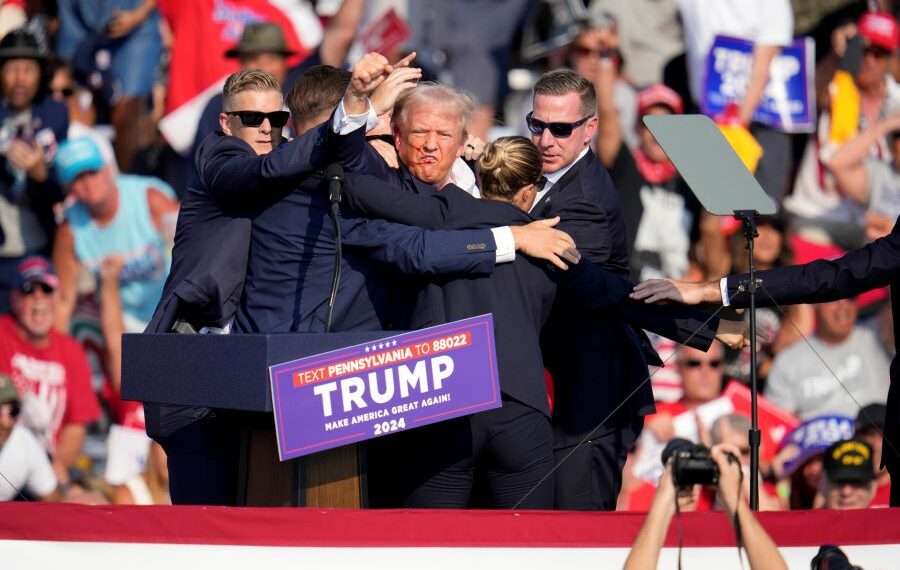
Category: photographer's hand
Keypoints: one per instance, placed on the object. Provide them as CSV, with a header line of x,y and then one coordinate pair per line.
x,y
761,550
730,475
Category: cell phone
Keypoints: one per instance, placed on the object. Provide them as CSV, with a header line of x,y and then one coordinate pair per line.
x,y
852,59
24,132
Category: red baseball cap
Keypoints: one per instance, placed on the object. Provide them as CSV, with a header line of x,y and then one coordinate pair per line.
x,y
880,29
659,94
37,269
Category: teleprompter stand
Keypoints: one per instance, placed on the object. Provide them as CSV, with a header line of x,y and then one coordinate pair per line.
x,y
230,372
724,186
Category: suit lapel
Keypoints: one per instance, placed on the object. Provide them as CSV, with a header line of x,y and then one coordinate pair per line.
x,y
543,208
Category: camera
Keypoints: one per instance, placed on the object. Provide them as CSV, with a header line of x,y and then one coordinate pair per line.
x,y
692,463
831,557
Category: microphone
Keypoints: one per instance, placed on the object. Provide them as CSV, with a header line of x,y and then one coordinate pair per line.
x,y
335,175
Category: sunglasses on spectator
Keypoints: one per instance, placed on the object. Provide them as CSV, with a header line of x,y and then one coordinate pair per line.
x,y
558,130
694,363
12,409
585,51
62,93
31,287
255,118
877,52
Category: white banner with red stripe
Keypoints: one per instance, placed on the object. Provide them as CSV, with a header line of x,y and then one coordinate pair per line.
x,y
74,537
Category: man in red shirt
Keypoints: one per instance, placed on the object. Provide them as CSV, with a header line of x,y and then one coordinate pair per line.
x,y
49,369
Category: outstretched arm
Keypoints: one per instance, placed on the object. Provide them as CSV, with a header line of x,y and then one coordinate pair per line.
x,y
665,290
859,270
647,545
847,161
761,550
232,171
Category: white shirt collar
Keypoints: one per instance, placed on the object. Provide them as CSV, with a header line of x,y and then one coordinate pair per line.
x,y
462,176
554,177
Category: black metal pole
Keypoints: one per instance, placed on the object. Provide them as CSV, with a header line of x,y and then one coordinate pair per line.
x,y
749,219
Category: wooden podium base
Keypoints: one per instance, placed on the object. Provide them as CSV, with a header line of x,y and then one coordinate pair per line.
x,y
332,478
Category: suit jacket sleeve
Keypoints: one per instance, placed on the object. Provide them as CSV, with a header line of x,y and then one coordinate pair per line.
x,y
452,207
232,171
376,198
357,155
589,226
593,286
821,281
412,250
683,324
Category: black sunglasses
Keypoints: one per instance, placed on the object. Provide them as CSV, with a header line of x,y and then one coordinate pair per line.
x,y
877,52
14,408
559,130
694,363
63,93
255,118
31,287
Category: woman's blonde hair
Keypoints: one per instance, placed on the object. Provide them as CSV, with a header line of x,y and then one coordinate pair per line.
x,y
508,164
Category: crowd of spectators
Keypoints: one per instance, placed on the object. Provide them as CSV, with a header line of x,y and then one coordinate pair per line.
x,y
90,179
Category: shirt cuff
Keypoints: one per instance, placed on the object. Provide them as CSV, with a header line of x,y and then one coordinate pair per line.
x,y
344,124
723,289
506,244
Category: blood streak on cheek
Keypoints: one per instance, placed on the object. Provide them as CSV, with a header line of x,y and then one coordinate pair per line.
x,y
420,154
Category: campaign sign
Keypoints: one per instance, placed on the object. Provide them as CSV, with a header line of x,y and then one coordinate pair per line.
x,y
789,99
385,34
393,384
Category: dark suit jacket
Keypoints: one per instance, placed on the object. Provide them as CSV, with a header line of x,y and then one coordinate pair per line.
x,y
874,265
209,259
230,185
520,294
291,264
597,363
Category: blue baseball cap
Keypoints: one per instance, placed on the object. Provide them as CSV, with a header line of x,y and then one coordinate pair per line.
x,y
76,156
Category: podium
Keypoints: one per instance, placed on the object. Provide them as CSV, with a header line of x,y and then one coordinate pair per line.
x,y
230,372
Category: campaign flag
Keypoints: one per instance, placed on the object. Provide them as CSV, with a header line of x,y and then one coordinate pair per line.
x,y
393,384
385,34
774,423
789,99
203,31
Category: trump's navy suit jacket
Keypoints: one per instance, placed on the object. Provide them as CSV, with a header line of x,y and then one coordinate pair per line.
x,y
874,265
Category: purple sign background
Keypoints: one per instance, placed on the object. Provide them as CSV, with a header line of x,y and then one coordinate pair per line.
x,y
788,102
389,385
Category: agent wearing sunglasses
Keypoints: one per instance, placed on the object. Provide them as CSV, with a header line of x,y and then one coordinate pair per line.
x,y
209,264
256,117
593,359
49,369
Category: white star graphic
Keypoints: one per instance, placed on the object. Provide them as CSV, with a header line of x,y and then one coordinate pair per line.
x,y
380,345
394,343
367,349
